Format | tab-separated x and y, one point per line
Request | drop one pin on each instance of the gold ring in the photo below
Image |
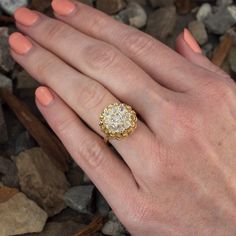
117	121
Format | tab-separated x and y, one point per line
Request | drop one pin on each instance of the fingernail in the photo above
19	43
44	96
25	16
63	7
191	41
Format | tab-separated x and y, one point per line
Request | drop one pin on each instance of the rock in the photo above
204	11
19	215
110	6
140	2
9	172
6	193
113	226
3	128
41	181
161	22
197	28
80	198
59	228
232	60
224	2
133	15
161	3
9	6
6	61
5	82
101	204
25	81
221	21
40	5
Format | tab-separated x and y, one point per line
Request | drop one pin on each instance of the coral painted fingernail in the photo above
25	16
63	7
44	96
191	41
19	43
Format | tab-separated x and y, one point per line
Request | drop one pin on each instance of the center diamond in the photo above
118	120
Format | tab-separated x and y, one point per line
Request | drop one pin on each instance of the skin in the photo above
177	174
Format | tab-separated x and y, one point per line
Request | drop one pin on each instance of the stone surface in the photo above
5	82
19	215
80	198
140	2
110	6
41	180
232	60
101	204
204	11
3	127
224	2
197	28
25	81
221	21
161	3
68	228
113	226
6	61
10	6
133	15
8	171
40	5
6	193
162	22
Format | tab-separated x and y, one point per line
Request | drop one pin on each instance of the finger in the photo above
166	66
187	46
88	150
85	96
96	59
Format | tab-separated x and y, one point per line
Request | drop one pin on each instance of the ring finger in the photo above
85	96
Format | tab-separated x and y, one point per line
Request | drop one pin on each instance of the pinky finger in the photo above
109	173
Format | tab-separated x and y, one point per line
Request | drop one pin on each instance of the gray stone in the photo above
232	60
140	2
204	11
133	15
110	6
161	3
9	6
161	22
197	28
80	198
101	204
6	61
67	228
9	172
3	127
25	81
41	180
224	2
113	227
221	21
19	215
5	82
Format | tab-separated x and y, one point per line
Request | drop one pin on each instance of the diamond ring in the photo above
117	121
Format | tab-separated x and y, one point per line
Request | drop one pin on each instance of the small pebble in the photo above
9	6
197	28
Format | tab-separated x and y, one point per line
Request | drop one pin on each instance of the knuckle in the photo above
43	68
64	125
97	24
53	30
101	56
137	43
92	96
91	151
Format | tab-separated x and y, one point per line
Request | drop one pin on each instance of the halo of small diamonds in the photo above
118	120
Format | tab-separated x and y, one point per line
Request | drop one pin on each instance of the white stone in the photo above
10	6
232	10
204	11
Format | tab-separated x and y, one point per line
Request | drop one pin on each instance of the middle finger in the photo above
96	59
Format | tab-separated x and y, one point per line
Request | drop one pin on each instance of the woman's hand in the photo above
178	173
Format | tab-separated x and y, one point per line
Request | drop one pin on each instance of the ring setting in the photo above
118	120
